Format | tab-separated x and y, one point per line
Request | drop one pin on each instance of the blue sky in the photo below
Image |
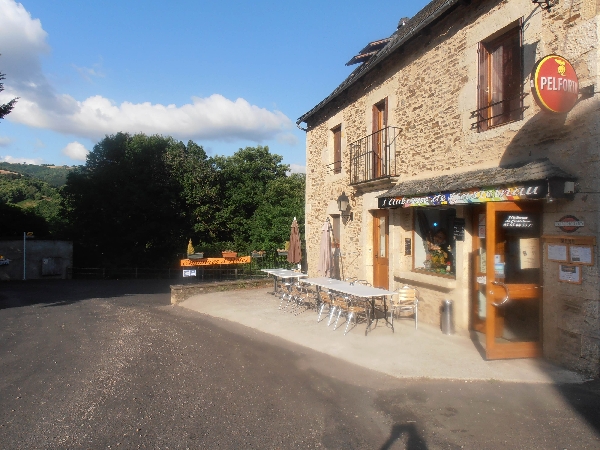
226	74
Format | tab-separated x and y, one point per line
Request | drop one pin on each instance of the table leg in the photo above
369	321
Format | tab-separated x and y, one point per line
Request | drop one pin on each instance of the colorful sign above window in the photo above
465	197
554	84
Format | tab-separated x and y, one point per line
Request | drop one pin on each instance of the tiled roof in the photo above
423	18
541	169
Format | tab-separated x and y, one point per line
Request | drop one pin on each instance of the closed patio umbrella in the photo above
294	253
325	260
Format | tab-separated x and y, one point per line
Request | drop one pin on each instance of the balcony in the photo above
374	157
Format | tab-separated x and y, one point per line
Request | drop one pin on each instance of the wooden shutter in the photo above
483	89
337	149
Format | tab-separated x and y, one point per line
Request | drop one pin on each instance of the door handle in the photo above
506	298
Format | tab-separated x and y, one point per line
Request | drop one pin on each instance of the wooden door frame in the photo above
380	110
477	324
377	214
495	293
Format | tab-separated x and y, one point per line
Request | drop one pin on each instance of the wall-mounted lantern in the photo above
545	4
343	205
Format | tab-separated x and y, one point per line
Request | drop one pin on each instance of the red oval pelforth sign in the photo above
554	84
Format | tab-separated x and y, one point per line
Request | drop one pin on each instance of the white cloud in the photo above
297	168
4	141
10	159
212	118
75	150
287	138
87	73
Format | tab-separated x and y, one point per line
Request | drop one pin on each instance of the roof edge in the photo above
421	20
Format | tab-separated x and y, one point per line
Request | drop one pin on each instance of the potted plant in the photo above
191	253
257	253
229	254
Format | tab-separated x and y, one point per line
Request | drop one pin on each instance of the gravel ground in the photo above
110	364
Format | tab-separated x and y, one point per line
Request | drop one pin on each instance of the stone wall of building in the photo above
431	88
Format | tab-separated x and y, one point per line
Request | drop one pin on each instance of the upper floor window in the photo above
500	88
337	149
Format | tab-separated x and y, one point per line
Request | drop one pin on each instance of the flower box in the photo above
282	252
259	254
198	255
229	254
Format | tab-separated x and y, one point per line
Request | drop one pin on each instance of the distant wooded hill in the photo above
55	176
29	195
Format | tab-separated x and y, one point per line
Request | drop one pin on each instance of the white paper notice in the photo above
569	274
557	252
581	254
529	252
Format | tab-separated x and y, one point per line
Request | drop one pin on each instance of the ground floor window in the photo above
434	245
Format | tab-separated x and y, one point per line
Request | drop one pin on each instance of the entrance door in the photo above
381	261
512	279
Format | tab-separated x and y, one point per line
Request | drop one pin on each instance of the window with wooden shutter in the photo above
500	88
337	149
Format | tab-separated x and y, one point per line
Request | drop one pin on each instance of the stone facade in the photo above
431	88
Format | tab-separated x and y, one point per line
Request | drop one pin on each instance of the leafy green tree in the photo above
17	220
6	108
197	179
271	222
243	180
124	206
36	198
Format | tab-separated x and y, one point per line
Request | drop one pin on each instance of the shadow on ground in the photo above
15	294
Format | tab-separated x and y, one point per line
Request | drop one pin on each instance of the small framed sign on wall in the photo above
569	274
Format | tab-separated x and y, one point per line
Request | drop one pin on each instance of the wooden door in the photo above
381	261
379	139
513	280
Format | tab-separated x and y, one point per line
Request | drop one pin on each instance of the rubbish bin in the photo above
447	317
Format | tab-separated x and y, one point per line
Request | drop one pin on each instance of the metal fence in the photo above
203	273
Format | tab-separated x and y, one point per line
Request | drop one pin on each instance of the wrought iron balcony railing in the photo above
374	157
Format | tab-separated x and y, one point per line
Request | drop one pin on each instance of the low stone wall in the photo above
181	292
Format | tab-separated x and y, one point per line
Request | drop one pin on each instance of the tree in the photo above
124	205
284	200
196	177
243	180
6	108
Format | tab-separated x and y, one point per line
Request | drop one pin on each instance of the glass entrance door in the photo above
513	275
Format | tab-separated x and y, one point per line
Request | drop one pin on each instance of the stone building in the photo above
467	145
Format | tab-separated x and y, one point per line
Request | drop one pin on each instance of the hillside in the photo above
55	176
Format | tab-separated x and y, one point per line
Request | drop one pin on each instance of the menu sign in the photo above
459	229
518	221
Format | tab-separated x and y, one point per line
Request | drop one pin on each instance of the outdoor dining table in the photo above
283	274
369	293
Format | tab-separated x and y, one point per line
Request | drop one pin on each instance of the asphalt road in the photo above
110	364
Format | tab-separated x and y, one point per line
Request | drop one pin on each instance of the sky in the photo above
225	74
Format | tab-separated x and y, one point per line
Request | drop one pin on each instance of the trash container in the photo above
447	317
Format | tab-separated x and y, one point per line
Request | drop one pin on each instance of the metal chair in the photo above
303	295
286	293
407	300
326	299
